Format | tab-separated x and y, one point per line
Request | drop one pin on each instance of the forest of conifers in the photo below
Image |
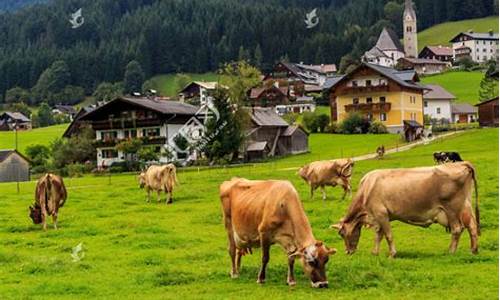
196	36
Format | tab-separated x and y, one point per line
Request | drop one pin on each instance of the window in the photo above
368	83
383	117
354	83
355	101
109	153
109	135
129	134
151	132
426	104
369	116
382	99
438	110
369	100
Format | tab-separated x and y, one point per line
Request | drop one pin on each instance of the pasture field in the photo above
139	250
43	136
464	85
165	83
441	34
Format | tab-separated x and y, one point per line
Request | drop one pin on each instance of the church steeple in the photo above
410	30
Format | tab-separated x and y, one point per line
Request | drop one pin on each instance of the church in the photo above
388	49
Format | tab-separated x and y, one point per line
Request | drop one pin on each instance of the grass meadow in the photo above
139	250
165	83
42	136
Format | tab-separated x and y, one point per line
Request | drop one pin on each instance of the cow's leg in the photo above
54	219
323	192
169	192
469	221
44	217
290	280
379	234
387	231
312	190
158	196
456	229
149	195
231	247
265	245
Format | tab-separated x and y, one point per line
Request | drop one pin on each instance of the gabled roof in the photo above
476	36
375	52
256	92
412	123
463	108
400	77
257	146
290	130
160	106
267	117
487	101
68	109
388	40
323	68
17	116
209	85
4	154
438	50
437	92
329	82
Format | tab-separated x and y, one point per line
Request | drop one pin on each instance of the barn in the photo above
488	112
13	166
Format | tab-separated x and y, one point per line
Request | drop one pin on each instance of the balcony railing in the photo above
368	89
146	140
368	107
124	123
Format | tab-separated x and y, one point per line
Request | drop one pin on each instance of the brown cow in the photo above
417	196
262	213
328	172
159	178
50	195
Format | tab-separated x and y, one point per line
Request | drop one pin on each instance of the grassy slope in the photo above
42	136
464	85
165	84
139	250
441	34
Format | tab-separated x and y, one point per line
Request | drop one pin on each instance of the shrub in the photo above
290	118
333	127
377	127
355	123
76	170
321	122
309	121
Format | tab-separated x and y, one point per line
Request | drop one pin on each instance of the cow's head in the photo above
350	231
314	259
142	179
36	214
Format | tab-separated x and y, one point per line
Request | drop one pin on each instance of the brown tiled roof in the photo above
256	92
441	50
161	106
437	92
420	61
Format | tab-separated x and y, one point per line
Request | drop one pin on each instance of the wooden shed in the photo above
13	166
488	112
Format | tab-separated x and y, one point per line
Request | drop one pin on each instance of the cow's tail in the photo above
476	208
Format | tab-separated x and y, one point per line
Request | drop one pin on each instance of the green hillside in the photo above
43	136
441	34
165	83
464	85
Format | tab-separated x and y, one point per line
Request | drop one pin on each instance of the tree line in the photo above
192	36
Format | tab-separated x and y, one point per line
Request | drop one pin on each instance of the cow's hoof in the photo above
170	202
261	281
474	251
392	255
291	283
235	275
375	253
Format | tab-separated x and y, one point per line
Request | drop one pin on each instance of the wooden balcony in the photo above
124	123
368	107
152	140
367	89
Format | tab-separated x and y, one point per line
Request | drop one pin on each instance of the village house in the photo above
423	66
488	112
463	113
271	136
441	53
379	93
387	51
66	110
155	122
480	47
311	77
438	102
14	120
199	92
13	166
283	97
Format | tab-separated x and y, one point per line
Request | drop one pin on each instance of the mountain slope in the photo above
442	33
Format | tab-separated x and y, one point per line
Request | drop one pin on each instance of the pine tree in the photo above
134	77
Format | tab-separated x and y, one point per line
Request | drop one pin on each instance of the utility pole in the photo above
17	169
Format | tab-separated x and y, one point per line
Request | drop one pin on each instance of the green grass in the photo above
464	85
165	84
43	136
441	34
152	251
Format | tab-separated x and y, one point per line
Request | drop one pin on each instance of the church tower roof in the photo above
409	10
388	40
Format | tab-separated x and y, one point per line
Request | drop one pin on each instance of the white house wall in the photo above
432	107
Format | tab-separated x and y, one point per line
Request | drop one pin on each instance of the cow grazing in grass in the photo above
328	173
417	196
262	213
444	157
50	195
159	178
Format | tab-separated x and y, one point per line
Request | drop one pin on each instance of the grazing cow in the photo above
328	172
444	157
380	152
159	178
262	213
50	195
417	196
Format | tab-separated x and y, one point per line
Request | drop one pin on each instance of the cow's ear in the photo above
331	251
337	226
